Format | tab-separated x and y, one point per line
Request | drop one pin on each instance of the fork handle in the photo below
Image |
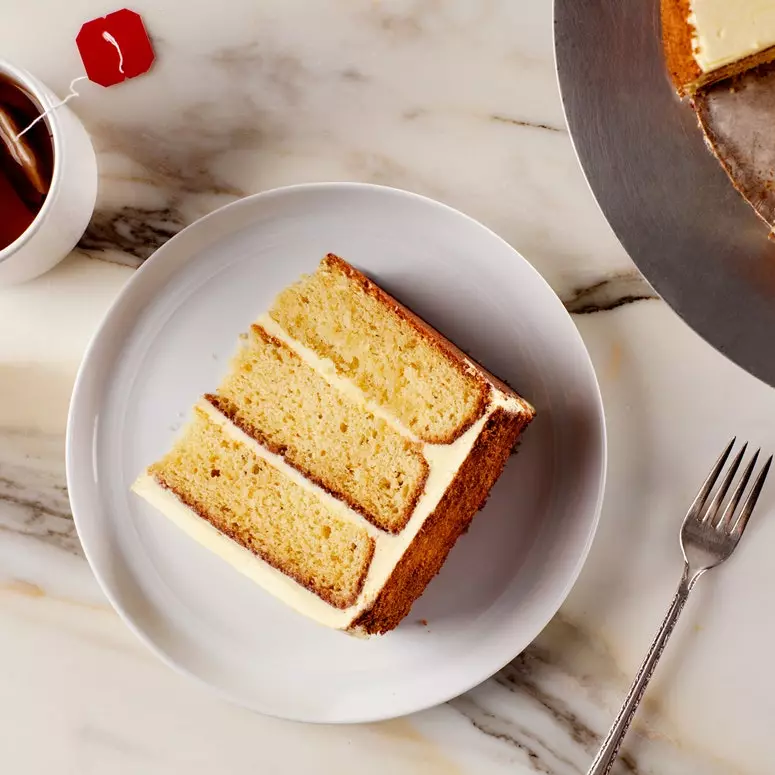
609	748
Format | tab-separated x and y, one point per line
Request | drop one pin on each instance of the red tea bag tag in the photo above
115	47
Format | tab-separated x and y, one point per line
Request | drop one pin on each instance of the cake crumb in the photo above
423	622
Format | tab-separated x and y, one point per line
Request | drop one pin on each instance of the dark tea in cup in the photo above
26	162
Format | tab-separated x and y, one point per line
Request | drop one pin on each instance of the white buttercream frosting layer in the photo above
726	31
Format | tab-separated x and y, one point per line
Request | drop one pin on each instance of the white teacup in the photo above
69	204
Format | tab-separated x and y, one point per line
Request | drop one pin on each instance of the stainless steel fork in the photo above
708	537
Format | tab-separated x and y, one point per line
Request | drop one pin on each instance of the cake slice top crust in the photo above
677	34
397	360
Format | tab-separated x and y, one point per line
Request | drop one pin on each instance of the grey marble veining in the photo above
609	293
33	493
130	235
549	707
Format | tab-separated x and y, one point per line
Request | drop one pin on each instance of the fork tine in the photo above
702	495
734	501
718	498
750	501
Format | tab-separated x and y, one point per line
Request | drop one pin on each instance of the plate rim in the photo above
71	462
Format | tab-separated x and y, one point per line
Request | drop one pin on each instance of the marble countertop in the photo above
457	101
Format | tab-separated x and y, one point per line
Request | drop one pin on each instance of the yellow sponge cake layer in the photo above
249	500
424	381
285	405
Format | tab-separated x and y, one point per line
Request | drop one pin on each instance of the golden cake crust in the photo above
465	496
677	35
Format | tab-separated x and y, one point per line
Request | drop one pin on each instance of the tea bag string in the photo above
108	38
72	93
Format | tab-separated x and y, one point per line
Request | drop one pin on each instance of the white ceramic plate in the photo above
168	338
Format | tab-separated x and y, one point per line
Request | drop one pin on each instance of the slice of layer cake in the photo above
343	454
708	40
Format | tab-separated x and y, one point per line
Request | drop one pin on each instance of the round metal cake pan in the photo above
668	200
